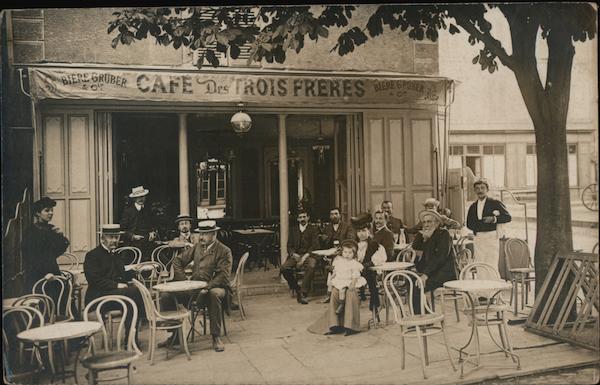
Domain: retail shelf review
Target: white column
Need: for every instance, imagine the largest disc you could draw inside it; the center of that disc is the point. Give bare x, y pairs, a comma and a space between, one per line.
184, 194
283, 191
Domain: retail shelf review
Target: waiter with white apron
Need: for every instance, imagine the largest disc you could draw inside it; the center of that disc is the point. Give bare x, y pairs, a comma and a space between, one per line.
483, 217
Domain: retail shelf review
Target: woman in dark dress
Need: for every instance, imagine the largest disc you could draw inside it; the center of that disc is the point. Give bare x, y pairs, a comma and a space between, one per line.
42, 244
435, 265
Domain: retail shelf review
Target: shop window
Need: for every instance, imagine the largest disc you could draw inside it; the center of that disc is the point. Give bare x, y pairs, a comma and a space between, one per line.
473, 150
573, 179
212, 183
494, 164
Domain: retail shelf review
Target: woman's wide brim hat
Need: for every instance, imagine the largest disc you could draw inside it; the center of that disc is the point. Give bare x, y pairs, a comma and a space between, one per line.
138, 191
43, 203
111, 229
184, 217
432, 213
207, 227
362, 221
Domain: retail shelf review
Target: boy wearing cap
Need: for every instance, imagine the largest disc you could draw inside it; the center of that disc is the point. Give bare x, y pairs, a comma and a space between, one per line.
42, 244
482, 218
138, 223
212, 263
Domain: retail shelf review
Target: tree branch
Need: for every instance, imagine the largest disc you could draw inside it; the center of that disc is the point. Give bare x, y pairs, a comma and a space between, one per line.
488, 40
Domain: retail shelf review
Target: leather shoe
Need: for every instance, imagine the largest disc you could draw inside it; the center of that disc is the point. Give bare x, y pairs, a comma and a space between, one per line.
218, 344
171, 341
350, 332
301, 299
235, 306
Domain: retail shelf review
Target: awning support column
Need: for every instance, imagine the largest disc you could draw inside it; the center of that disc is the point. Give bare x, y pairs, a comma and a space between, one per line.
184, 195
283, 191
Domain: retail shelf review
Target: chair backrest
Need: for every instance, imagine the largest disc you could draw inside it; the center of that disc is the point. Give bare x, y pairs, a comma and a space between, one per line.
151, 310
411, 282
517, 253
130, 255
15, 320
60, 289
462, 258
474, 270
102, 305
406, 255
149, 273
239, 272
595, 249
68, 261
42, 303
164, 255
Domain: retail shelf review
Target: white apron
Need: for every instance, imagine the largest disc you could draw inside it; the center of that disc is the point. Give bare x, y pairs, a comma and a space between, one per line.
486, 250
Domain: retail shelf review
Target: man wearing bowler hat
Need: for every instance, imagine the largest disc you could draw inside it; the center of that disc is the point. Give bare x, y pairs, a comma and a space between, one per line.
105, 272
138, 223
212, 264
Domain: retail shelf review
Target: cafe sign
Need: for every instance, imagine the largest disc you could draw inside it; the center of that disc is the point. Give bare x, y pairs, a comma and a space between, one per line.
270, 88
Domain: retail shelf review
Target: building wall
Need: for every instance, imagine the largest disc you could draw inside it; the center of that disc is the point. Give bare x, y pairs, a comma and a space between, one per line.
80, 36
486, 104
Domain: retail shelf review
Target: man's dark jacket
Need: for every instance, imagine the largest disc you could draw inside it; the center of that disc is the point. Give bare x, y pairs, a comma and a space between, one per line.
302, 243
477, 225
437, 260
103, 272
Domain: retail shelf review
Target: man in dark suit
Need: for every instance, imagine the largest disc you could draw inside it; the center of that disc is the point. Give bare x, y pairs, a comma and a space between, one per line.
303, 239
105, 272
393, 224
482, 218
138, 223
212, 263
382, 235
337, 229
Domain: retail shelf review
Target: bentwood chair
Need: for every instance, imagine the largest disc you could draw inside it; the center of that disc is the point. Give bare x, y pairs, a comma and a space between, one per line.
237, 282
165, 320
165, 255
60, 289
488, 311
518, 263
412, 325
130, 255
16, 368
68, 261
121, 353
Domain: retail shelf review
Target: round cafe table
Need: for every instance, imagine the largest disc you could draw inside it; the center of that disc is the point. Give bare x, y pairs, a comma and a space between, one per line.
382, 269
182, 287
472, 287
60, 332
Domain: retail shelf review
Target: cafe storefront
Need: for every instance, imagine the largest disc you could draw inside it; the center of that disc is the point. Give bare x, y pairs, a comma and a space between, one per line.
317, 139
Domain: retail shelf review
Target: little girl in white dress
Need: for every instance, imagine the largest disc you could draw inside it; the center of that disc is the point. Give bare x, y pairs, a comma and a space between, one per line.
346, 272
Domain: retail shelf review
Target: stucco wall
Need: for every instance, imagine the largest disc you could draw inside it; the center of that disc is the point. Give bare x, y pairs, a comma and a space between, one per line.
80, 36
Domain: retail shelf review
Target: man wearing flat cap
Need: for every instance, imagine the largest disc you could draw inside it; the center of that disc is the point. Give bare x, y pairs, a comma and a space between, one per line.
483, 217
42, 244
138, 223
105, 272
212, 264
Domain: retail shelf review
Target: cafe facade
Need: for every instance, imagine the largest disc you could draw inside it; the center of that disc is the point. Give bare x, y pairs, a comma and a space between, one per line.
322, 135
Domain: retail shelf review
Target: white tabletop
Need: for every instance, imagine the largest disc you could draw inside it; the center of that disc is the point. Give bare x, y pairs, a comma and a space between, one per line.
179, 286
464, 242
477, 285
325, 252
392, 266
253, 231
137, 266
60, 331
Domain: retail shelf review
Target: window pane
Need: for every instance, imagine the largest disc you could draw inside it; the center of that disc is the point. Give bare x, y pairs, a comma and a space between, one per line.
498, 150
531, 169
530, 149
488, 150
456, 150
455, 161
472, 149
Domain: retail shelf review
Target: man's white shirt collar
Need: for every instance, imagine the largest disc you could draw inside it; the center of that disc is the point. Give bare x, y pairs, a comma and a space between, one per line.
302, 228
480, 205
138, 206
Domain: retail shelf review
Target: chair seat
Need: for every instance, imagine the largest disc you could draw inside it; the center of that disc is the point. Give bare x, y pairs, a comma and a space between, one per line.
114, 313
109, 360
523, 270
173, 315
421, 319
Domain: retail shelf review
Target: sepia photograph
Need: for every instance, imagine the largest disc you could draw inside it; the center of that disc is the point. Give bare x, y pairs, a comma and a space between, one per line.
311, 193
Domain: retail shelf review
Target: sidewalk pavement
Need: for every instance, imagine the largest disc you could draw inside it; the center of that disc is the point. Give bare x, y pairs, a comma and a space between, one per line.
273, 346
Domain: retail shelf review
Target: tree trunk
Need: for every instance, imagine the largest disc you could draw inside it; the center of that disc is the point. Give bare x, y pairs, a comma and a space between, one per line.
548, 108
